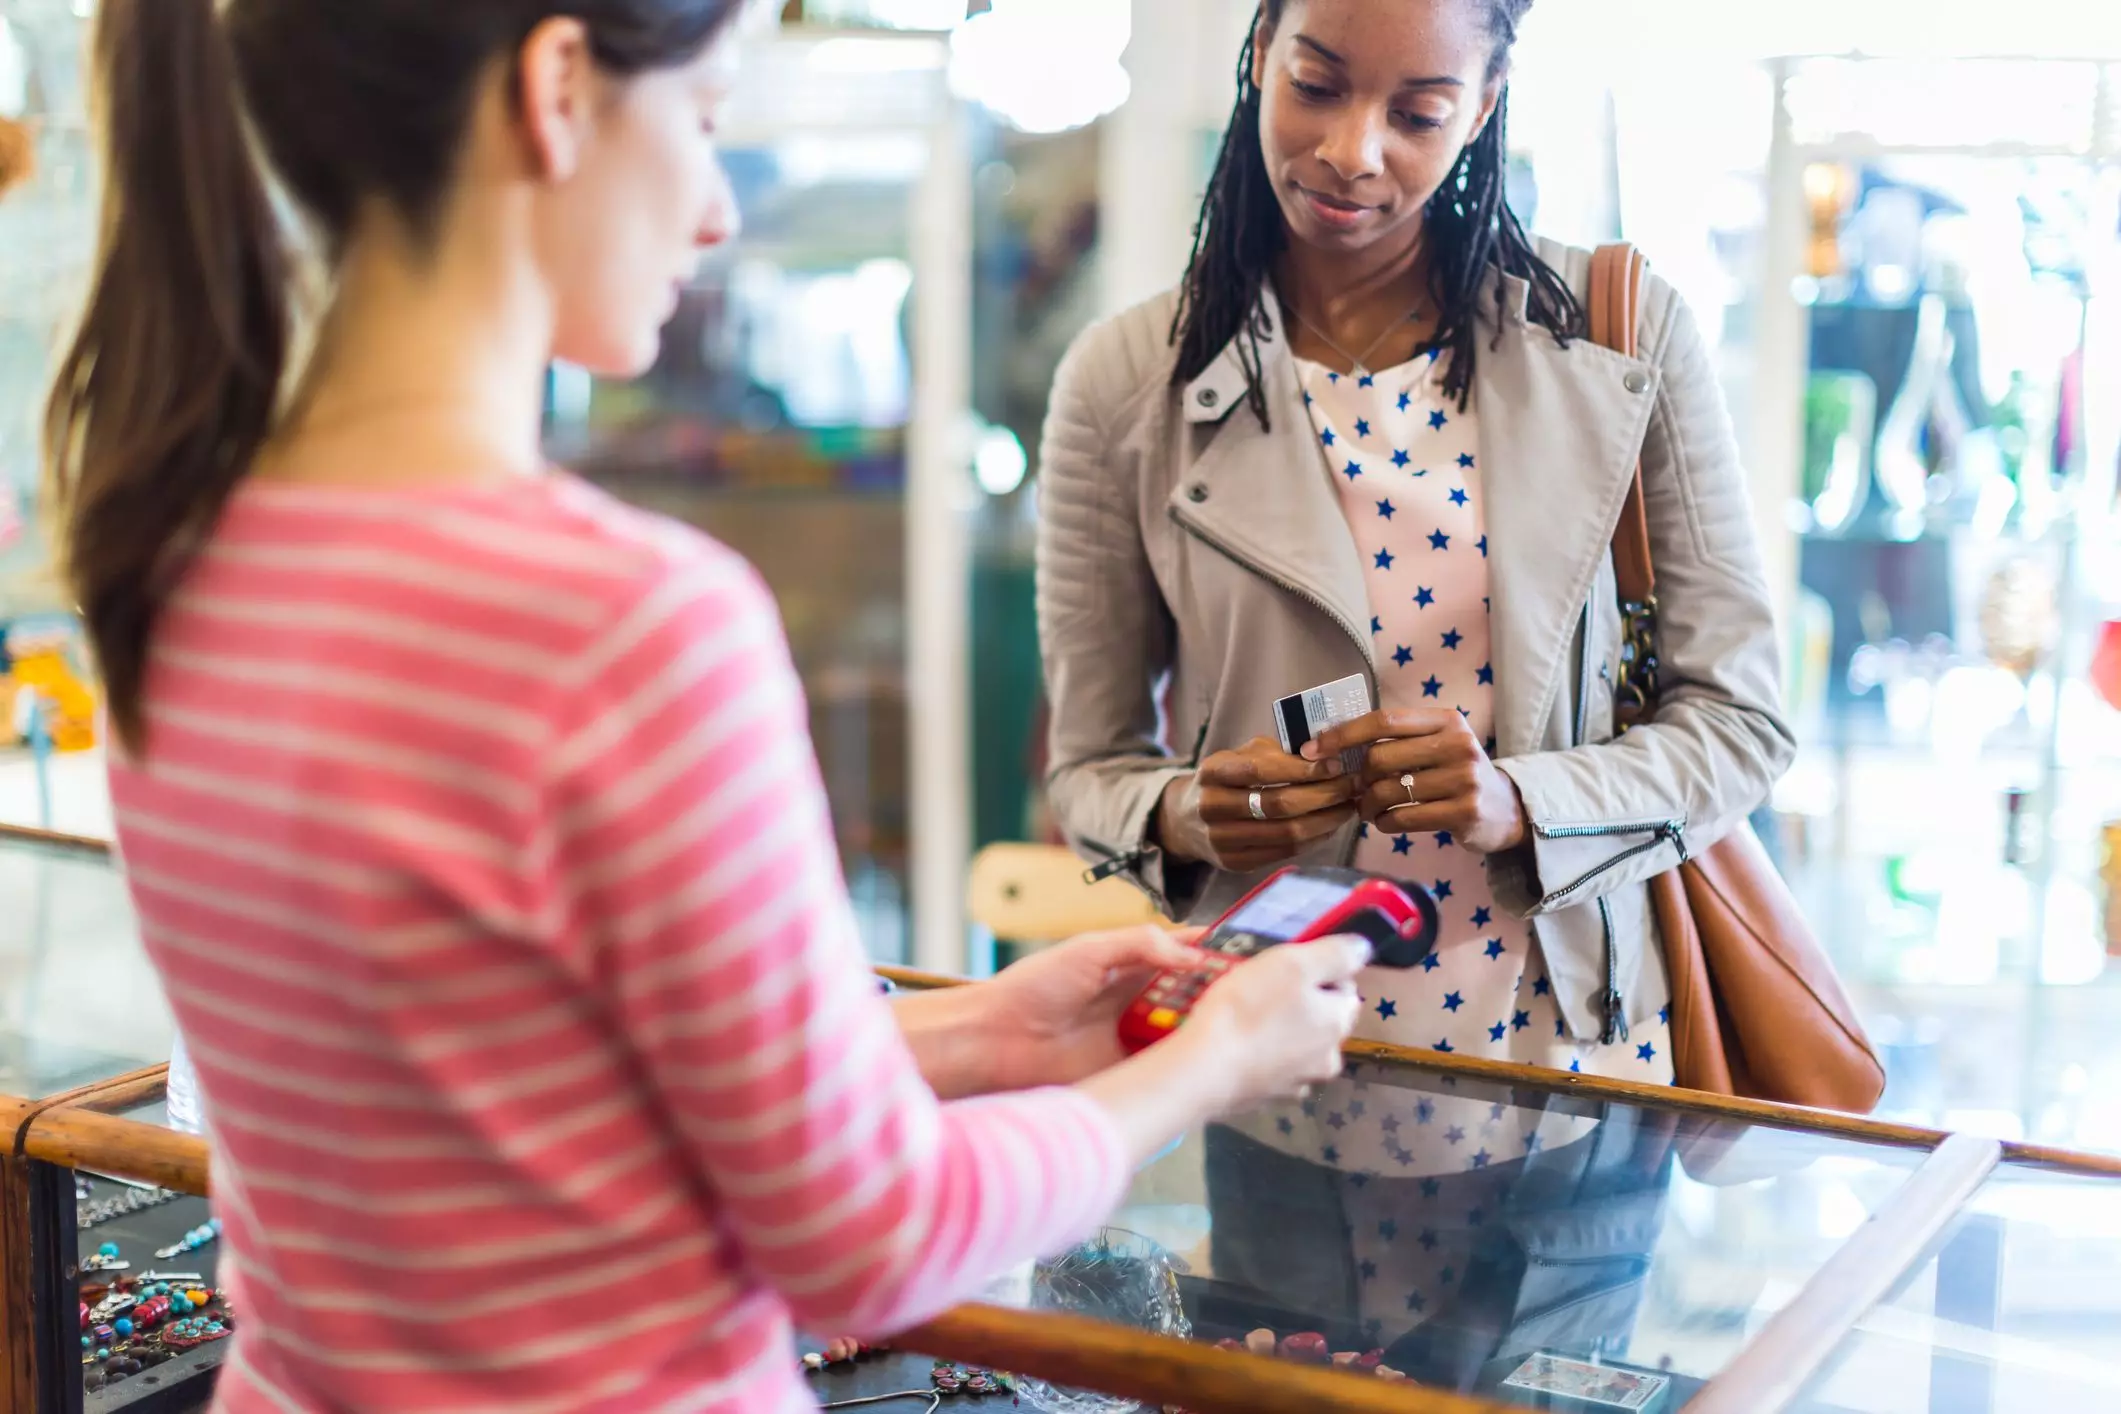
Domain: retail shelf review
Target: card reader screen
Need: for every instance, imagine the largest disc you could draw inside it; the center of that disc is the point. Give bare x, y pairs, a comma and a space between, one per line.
1287, 907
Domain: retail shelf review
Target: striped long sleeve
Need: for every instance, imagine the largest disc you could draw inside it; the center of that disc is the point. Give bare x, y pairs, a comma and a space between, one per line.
482, 854
695, 839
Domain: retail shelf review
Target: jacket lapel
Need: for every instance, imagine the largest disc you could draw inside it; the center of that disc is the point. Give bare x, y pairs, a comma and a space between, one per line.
1561, 432
1264, 497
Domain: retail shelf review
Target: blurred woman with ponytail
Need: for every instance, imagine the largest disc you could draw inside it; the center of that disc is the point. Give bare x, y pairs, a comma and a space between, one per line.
469, 815
1366, 438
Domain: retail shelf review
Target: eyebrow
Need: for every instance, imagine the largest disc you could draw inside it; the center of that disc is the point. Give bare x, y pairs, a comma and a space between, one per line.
1440, 81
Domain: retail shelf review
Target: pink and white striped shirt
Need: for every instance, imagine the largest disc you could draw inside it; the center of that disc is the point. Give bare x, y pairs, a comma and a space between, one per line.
482, 851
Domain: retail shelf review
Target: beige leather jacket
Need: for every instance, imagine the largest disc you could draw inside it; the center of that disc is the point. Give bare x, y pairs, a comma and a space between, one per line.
1181, 544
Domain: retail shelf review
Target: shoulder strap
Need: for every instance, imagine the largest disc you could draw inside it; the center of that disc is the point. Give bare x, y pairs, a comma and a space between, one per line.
1615, 310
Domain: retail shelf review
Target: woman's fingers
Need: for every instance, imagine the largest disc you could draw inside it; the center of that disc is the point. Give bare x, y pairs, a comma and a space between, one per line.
1261, 762
1246, 845
1224, 803
1387, 724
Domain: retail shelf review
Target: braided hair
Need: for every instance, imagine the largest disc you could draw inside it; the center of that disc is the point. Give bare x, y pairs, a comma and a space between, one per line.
1471, 234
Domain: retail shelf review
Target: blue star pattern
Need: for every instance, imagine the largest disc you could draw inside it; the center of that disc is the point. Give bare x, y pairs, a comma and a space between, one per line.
1484, 990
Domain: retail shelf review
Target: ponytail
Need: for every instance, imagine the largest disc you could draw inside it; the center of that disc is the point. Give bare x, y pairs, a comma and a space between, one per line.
172, 380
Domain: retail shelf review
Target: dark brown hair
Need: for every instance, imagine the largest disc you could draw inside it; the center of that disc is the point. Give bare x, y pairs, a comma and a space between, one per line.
174, 379
1471, 232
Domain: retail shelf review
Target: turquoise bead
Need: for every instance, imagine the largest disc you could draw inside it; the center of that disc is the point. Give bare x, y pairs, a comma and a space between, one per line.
123, 1326
108, 1249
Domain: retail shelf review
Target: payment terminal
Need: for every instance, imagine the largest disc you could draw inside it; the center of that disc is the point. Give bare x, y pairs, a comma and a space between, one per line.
1298, 905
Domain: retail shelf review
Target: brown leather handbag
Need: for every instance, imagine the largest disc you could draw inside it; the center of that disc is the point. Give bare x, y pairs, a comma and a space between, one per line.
1756, 1008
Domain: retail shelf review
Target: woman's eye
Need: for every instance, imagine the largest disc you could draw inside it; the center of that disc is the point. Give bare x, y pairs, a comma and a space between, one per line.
1310, 90
1420, 120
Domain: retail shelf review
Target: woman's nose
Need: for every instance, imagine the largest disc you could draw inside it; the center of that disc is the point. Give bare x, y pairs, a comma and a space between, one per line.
1354, 146
722, 220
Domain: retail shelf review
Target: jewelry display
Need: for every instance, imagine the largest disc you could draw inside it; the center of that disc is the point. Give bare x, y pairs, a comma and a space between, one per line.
203, 1235
1310, 1348
135, 1322
89, 1214
945, 1381
1120, 1278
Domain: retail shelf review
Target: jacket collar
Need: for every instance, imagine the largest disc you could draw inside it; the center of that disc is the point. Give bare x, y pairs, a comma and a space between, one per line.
1221, 386
1561, 431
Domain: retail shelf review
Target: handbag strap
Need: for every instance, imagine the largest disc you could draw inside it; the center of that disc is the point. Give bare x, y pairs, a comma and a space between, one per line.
1614, 309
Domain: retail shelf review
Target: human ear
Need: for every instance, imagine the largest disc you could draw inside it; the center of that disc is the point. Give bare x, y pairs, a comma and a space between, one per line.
556, 82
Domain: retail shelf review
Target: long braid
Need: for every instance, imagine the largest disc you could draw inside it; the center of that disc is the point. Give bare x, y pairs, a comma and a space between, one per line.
1235, 243
1472, 236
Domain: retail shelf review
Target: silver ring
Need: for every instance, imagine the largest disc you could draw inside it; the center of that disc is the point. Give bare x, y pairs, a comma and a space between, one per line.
1258, 802
1406, 783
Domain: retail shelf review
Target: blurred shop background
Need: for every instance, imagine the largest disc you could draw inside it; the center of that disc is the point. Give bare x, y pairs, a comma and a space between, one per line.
1900, 224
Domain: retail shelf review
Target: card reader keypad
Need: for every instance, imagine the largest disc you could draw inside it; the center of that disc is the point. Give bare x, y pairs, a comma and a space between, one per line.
1171, 996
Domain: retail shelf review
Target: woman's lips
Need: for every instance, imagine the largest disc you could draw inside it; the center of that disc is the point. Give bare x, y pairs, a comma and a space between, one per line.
1334, 211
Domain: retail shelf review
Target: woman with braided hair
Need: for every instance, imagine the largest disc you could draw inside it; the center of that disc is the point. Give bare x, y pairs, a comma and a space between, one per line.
1367, 436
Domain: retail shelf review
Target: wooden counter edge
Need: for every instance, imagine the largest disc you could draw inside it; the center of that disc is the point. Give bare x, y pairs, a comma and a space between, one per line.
1860, 1128
1064, 1349
93, 845
122, 1148
1074, 1350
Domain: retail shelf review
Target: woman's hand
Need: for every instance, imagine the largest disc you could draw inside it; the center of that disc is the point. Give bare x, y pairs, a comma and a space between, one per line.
1456, 789
1057, 1012
1264, 1030
1278, 1021
1208, 816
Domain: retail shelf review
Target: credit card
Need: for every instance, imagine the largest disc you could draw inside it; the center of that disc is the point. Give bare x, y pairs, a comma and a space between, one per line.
1304, 716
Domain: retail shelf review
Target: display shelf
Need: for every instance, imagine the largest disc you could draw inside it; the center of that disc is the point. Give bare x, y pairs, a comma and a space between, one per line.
1662, 1231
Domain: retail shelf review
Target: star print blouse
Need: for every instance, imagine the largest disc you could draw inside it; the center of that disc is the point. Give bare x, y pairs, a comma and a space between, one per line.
1405, 463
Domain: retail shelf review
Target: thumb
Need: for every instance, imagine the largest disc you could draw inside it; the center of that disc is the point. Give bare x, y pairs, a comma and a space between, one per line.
1146, 947
1330, 961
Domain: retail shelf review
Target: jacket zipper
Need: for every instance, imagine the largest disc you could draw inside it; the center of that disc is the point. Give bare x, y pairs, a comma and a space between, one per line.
1583, 680
1361, 647
1672, 832
1616, 1006
1115, 863
1130, 861
1612, 1003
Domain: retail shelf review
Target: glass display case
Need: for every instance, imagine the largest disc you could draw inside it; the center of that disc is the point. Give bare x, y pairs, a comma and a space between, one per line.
78, 1001
1452, 1228
1428, 1233
2016, 1313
